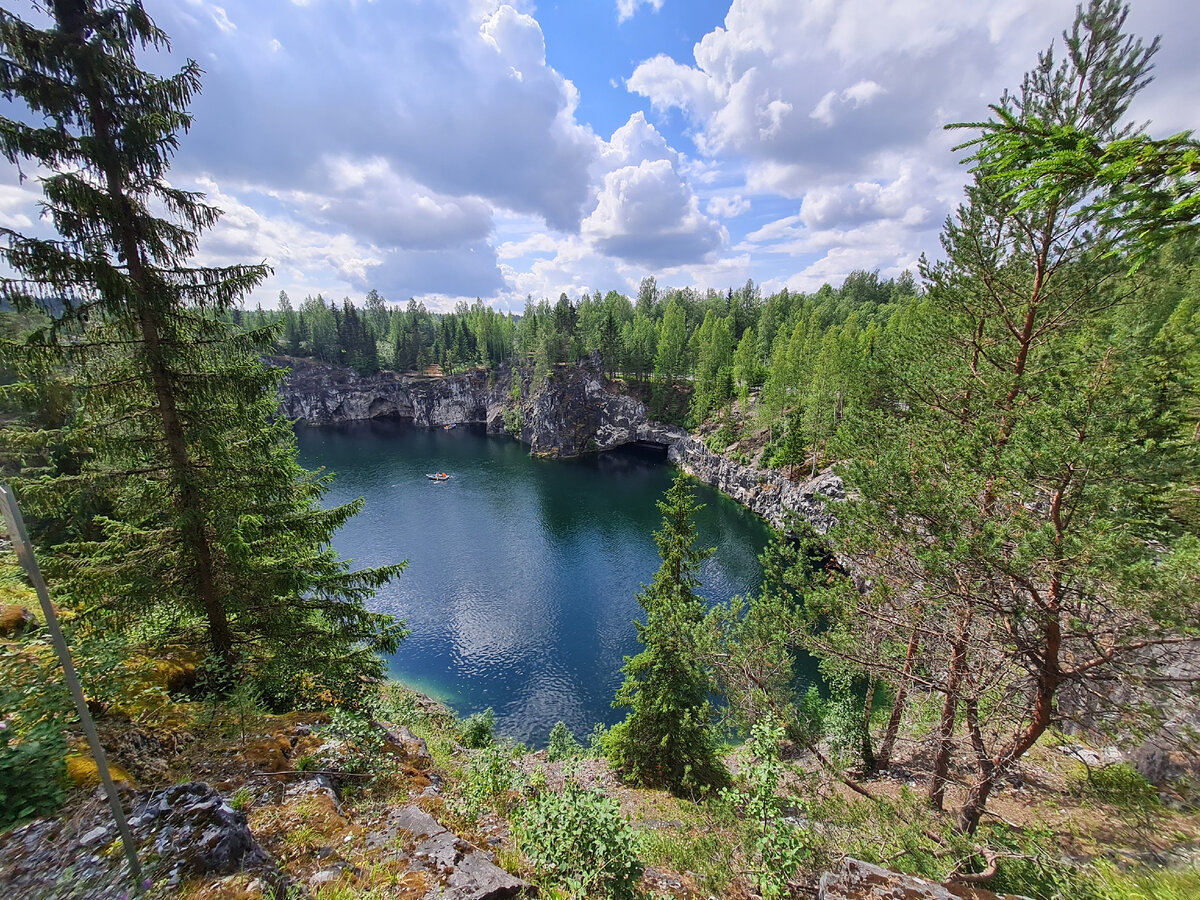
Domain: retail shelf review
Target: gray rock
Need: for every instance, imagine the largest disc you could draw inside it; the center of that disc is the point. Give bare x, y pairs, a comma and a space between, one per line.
575, 411
857, 880
182, 832
765, 491
95, 836
315, 785
332, 873
199, 833
412, 746
459, 870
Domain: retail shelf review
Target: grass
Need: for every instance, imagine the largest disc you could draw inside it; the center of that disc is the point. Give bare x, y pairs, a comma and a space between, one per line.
708, 855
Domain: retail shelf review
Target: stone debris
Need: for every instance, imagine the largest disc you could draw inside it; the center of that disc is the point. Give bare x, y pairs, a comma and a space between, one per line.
187, 830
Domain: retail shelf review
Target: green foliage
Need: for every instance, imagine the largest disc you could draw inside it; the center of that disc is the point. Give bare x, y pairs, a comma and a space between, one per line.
490, 783
353, 743
776, 848
752, 644
479, 730
670, 362
562, 744
721, 438
577, 839
1014, 496
241, 799
34, 710
668, 740
514, 420
1119, 785
1141, 191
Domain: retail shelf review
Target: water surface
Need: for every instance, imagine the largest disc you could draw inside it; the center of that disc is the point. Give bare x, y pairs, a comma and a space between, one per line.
520, 589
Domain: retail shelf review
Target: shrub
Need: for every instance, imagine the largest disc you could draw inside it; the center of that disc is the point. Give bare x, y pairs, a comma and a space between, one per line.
489, 783
776, 847
33, 750
479, 730
562, 744
353, 744
578, 840
1122, 786
721, 438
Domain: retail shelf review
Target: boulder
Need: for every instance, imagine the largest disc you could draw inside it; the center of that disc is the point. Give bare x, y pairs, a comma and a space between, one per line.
456, 869
857, 880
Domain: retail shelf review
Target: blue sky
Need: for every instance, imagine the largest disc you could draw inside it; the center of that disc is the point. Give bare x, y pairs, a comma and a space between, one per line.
453, 149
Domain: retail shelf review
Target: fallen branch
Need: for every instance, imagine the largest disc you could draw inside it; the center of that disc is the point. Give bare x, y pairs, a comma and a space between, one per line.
993, 864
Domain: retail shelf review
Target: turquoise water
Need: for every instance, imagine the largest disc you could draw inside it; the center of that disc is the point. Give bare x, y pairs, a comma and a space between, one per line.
520, 589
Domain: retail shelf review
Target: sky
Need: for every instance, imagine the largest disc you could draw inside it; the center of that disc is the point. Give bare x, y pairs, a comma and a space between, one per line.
449, 150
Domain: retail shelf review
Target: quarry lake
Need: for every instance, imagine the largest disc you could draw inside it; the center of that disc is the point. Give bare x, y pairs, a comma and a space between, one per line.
522, 572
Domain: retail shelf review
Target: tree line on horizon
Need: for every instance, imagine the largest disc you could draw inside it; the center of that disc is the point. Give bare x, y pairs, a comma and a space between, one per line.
717, 344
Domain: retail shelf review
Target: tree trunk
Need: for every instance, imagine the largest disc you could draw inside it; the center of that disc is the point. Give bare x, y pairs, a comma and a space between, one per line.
941, 760
870, 766
188, 507
884, 757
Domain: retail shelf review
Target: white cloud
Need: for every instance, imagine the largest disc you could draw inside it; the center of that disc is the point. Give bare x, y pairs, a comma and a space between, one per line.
216, 13
626, 8
455, 94
647, 215
801, 85
17, 203
854, 96
728, 207
645, 210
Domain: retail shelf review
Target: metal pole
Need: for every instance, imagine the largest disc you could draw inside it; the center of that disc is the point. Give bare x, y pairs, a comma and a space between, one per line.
20, 539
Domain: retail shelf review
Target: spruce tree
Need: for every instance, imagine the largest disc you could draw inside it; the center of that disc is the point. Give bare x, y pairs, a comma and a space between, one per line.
180, 509
667, 740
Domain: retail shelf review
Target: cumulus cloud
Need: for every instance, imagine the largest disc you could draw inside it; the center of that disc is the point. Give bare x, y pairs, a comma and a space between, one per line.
455, 96
645, 211
854, 96
544, 265
646, 214
799, 88
839, 107
845, 205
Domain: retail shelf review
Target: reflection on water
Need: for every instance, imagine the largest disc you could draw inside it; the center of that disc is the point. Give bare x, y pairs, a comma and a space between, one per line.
522, 572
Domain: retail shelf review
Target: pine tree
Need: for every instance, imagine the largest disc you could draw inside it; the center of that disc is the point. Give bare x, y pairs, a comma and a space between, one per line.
182, 512
1011, 507
667, 740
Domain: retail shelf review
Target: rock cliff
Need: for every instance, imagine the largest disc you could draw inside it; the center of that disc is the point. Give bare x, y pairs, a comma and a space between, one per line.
322, 394
765, 491
573, 411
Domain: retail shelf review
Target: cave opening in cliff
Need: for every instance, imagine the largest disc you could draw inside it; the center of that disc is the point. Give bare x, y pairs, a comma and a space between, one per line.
383, 408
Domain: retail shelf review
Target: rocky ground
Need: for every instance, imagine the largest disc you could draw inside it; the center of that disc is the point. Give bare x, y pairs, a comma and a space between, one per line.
223, 807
